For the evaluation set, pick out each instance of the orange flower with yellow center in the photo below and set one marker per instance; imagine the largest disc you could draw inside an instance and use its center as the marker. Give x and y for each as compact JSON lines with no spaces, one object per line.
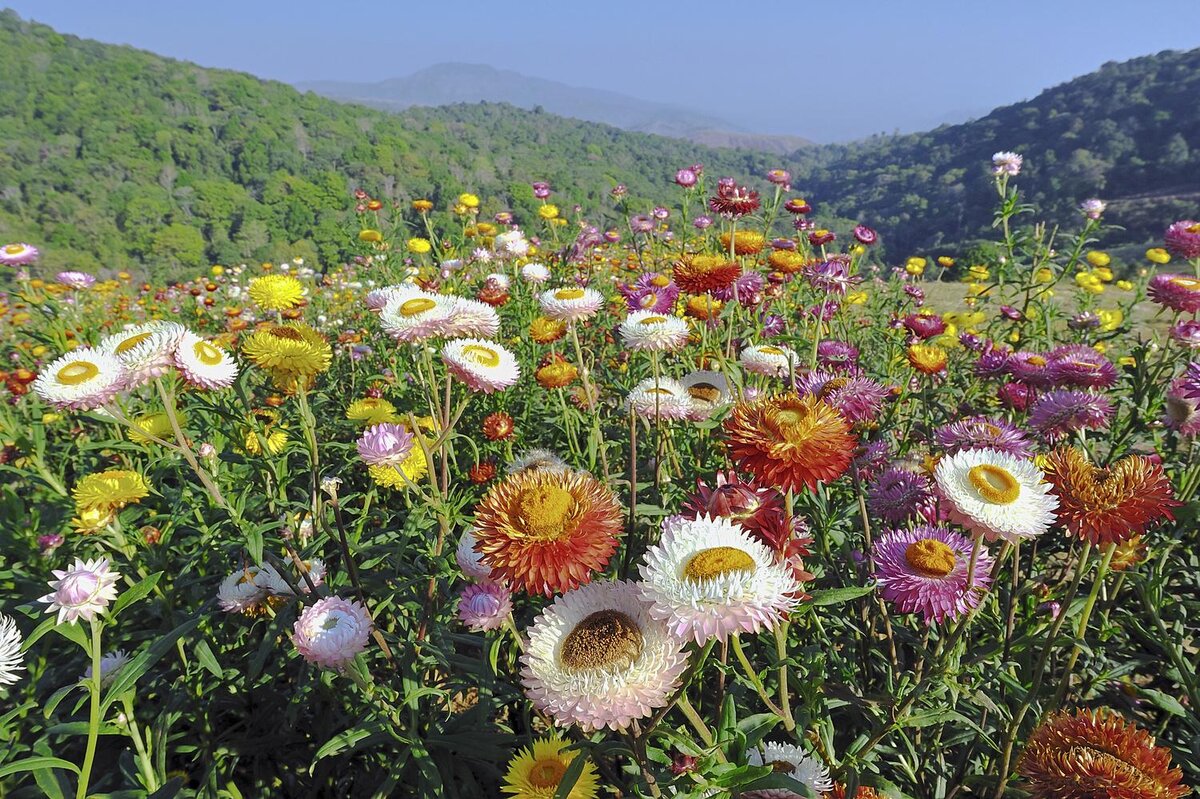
{"x":556,"y":374}
{"x":745,"y":242}
{"x":546,"y":532}
{"x":703,"y":307}
{"x":546,"y":331}
{"x":789,"y":442}
{"x":1094,"y":754}
{"x":787,"y":261}
{"x":1109,"y":505}
{"x":700,"y":274}
{"x":928,"y":359}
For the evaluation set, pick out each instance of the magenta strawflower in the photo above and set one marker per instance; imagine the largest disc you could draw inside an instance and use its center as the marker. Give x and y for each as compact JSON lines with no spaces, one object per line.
{"x":899,"y":495}
{"x":858,"y":398}
{"x":983,"y":432}
{"x":385,"y":444}
{"x":82,"y":591}
{"x":865,"y":235}
{"x":1057,"y":414}
{"x":759,"y":509}
{"x":834,"y":354}
{"x":1080,"y":366}
{"x":1030,"y":368}
{"x":484,"y":606}
{"x":733,"y":201}
{"x":1181,"y":412}
{"x":18,"y":254}
{"x":685,"y":178}
{"x":1182,"y":239}
{"x":331,"y":631}
{"x":1177,"y":292}
{"x":926,"y":570}
{"x":1187,"y":333}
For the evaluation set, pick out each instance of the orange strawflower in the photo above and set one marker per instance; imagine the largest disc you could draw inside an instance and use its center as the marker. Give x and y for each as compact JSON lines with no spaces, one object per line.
{"x":700,"y":274}
{"x":497,"y":426}
{"x":789,"y":442}
{"x":546,"y":331}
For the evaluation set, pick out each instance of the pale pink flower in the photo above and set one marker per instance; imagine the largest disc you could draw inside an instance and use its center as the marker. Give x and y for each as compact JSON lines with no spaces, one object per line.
{"x":83,"y":590}
{"x":331,"y":631}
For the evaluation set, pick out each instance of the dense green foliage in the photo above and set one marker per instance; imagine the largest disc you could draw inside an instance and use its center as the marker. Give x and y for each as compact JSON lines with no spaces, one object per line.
{"x":118,"y":158}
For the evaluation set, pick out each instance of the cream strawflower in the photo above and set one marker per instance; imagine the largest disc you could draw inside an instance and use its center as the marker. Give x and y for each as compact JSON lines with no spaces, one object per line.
{"x":535,"y":272}
{"x":84,"y":379}
{"x":597,"y":658}
{"x":204,"y":364}
{"x":537,"y":459}
{"x":144,"y":350}
{"x":483,"y":365}
{"x":659,"y":398}
{"x":412,"y":314}
{"x":470,"y":561}
{"x":471,"y":318}
{"x":10,"y":651}
{"x":655,"y":332}
{"x":775,"y":360}
{"x":795,"y":763}
{"x":82,"y":591}
{"x":708,"y":578}
{"x":570,"y":304}
{"x":995,"y":494}
{"x":240,"y":593}
{"x":708,"y":393}
{"x":331,"y":631}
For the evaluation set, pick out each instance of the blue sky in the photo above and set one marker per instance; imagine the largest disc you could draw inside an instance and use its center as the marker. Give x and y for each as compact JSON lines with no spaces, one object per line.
{"x":828,"y":71}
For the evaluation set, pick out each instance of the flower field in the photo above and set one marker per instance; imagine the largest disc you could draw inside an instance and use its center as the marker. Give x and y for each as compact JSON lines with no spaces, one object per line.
{"x":702,"y":500}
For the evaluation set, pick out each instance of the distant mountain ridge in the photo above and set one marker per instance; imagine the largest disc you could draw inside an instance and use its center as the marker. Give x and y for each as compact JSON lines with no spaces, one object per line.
{"x":454,"y":83}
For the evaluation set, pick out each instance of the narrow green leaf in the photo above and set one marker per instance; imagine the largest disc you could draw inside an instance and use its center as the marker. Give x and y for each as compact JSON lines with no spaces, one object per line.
{"x":36,"y":764}
{"x":137,"y":592}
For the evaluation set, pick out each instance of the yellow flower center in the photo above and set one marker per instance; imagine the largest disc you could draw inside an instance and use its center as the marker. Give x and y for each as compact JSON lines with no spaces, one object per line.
{"x":770,"y":350}
{"x":992,"y":430}
{"x":653,"y":320}
{"x":1189,"y":283}
{"x":781,"y":767}
{"x":1036,"y":360}
{"x":131,"y":342}
{"x":416,"y":306}
{"x":658,"y":390}
{"x":207,"y":354}
{"x":78,"y":372}
{"x":649,"y":300}
{"x":662,"y":281}
{"x":704,"y":391}
{"x":289,"y":333}
{"x":1193,"y":228}
{"x":546,"y":773}
{"x":995,"y":483}
{"x":931,"y":557}
{"x":708,"y":564}
{"x":545,"y":511}
{"x":606,"y":639}
{"x":484,"y":356}
{"x":13,"y":249}
{"x":568,"y":294}
{"x":789,"y":417}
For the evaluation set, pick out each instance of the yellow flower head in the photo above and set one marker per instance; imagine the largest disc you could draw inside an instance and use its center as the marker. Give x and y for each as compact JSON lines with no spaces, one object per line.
{"x":1044,"y":275}
{"x":372,"y":410}
{"x":274,"y":438}
{"x":419,"y":246}
{"x":154,"y":425}
{"x":469,"y":200}
{"x":276,"y":292}
{"x":927,"y":358}
{"x":856,"y":298}
{"x":1110,"y":318}
{"x":548,"y":211}
{"x":945,"y":261}
{"x":294,"y":349}
{"x":370,"y":236}
{"x":978,"y":272}
{"x":411,"y":470}
{"x":1098,"y":258}
{"x":1124,"y":285}
{"x":422,"y":206}
{"x":1158,"y":255}
{"x":109,"y":491}
{"x":536,"y":772}
{"x":1104,"y":273}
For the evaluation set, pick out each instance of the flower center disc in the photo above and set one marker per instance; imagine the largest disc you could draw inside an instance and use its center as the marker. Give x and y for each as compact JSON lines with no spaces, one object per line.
{"x":484,"y":356}
{"x":781,"y":767}
{"x":13,"y":249}
{"x":1189,"y":283}
{"x":994,"y":483}
{"x":416,"y":306}
{"x":78,"y":372}
{"x":131,"y":342}
{"x":568,"y":294}
{"x":704,"y":391}
{"x":770,"y":351}
{"x":1036,"y":360}
{"x":708,"y":564}
{"x":546,"y":773}
{"x":207,"y":354}
{"x":653,"y":320}
{"x":605,"y":639}
{"x":648,"y":301}
{"x":289,"y":333}
{"x":546,"y":511}
{"x":662,"y":281}
{"x":931,"y":557}
{"x":1194,"y":229}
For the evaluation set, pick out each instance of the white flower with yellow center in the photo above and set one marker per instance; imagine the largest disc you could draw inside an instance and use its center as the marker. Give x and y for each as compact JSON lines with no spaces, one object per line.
{"x":471,"y":318}
{"x":145,"y":350}
{"x":204,"y":364}
{"x":415,"y":315}
{"x":707,"y":578}
{"x":84,"y":379}
{"x":655,"y":332}
{"x":996,"y":495}
{"x":708,"y":393}
{"x":775,"y":360}
{"x":570,"y":303}
{"x":597,"y":658}
{"x":793,"y":762}
{"x":659,"y":398}
{"x":483,"y":365}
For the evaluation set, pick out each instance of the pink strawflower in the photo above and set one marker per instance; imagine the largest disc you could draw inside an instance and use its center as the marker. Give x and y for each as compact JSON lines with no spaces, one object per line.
{"x":331,"y":631}
{"x":858,"y":398}
{"x":1187,"y":333}
{"x":470,"y":561}
{"x":1006,"y":163}
{"x":1183,"y":239}
{"x":901,"y":495}
{"x":926,"y":570}
{"x":18,"y":254}
{"x":83,"y":590}
{"x":484,"y":606}
{"x":385,"y":444}
{"x":1181,"y":412}
{"x":1080,"y":366}
{"x":1177,"y":292}
{"x":75,"y":280}
{"x":1057,"y":414}
{"x":983,"y":432}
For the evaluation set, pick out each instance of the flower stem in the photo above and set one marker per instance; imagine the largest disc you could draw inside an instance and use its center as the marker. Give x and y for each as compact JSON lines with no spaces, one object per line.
{"x":89,"y":753}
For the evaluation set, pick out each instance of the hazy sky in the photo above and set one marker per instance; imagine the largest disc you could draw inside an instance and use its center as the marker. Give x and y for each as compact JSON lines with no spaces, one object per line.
{"x":827,"y":71}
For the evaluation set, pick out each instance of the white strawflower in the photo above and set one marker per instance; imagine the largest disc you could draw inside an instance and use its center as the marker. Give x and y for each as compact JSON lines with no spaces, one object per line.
{"x":84,"y":379}
{"x":82,"y":591}
{"x":995,"y":494}
{"x":10,"y":651}
{"x":331,"y":631}
{"x":775,"y":360}
{"x":659,"y":398}
{"x":654,"y":332}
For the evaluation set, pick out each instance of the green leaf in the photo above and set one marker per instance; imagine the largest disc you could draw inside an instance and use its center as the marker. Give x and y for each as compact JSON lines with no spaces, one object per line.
{"x":37,"y":764}
{"x":348,"y":741}
{"x":571,"y":776}
{"x":132,"y":671}
{"x":838,"y":596}
{"x":137,"y":592}
{"x":207,"y":659}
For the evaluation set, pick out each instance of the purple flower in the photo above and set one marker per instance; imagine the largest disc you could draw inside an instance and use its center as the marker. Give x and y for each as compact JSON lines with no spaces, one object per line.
{"x":1187,"y":333}
{"x":1031,"y":368}
{"x":1181,"y":412}
{"x":619,"y":191}
{"x":924,"y":326}
{"x":659,"y":212}
{"x":685,"y":178}
{"x":916,"y":292}
{"x":830,"y":276}
{"x":641,"y":223}
{"x":1080,"y":366}
{"x":982,"y":432}
{"x":744,"y":288}
{"x":781,"y":178}
{"x":927,"y":570}
{"x":702,"y":222}
{"x":870,"y":460}
{"x":1177,"y":292}
{"x":612,"y":236}
{"x":18,"y":254}
{"x":385,"y":444}
{"x":1057,"y":414}
{"x":541,"y":189}
{"x":1016,"y":395}
{"x":834,"y":354}
{"x":484,"y":606}
{"x":75,"y":280}
{"x":783,"y":244}
{"x":1084,"y":320}
{"x":1183,"y":239}
{"x":899,"y":495}
{"x":772,"y":325}
{"x":859,"y":399}
{"x":865,"y":235}
{"x":1092,"y":208}
{"x":993,"y":361}
{"x":650,"y":292}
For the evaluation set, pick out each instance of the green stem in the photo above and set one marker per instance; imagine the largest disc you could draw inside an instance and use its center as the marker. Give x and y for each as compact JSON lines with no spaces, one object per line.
{"x":752,"y":675}
{"x":1081,"y":629}
{"x":89,"y":753}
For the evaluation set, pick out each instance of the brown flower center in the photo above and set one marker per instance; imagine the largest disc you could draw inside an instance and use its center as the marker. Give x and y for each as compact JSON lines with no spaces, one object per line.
{"x":606,"y":639}
{"x":704,"y":391}
{"x":417,"y":305}
{"x":709,"y":564}
{"x":289,"y":333}
{"x":77,"y":372}
{"x":781,"y":767}
{"x":546,"y":773}
{"x":545,"y":511}
{"x":930,"y":557}
{"x":994,"y":483}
